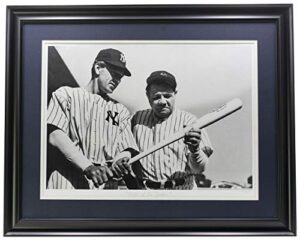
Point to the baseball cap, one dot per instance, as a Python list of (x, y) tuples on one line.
[(114, 58), (162, 77)]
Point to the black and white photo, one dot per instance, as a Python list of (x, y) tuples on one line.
[(119, 120)]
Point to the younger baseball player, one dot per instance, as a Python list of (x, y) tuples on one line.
[(173, 166), (90, 130)]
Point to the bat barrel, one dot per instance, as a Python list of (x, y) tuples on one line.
[(219, 113)]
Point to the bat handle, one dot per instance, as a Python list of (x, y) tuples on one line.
[(162, 144)]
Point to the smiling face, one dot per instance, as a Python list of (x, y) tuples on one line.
[(107, 79), (162, 99)]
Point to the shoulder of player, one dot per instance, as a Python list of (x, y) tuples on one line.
[(121, 108), (119, 105), (70, 93), (142, 112), (68, 90), (185, 114), (113, 101), (141, 115), (64, 91)]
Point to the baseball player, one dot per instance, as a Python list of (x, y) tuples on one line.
[(90, 130), (173, 166)]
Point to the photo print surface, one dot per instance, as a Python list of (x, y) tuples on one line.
[(119, 120)]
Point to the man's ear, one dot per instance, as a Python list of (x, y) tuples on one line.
[(148, 97)]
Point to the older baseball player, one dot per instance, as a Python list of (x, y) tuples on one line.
[(173, 166), (91, 130)]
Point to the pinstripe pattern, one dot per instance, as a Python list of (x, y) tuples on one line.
[(149, 131), (99, 127)]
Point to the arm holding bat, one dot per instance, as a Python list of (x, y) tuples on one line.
[(59, 140), (197, 156), (98, 174)]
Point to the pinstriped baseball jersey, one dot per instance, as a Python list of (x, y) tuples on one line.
[(99, 127), (149, 130)]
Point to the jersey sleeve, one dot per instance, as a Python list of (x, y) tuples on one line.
[(125, 138), (198, 160), (59, 110), (205, 144)]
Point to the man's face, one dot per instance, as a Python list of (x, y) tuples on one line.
[(108, 79), (162, 99)]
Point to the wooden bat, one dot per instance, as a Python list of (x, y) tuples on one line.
[(208, 119)]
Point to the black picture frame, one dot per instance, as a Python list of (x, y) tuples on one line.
[(281, 15)]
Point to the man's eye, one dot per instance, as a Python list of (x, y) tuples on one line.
[(102, 65)]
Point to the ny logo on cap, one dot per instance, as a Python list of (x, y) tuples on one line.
[(163, 74), (122, 58)]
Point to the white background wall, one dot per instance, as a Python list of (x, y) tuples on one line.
[(81, 2)]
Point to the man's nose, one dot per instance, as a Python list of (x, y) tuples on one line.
[(162, 101)]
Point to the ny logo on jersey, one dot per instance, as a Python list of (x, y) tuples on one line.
[(122, 58), (112, 117)]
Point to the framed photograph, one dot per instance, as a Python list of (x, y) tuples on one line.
[(150, 120)]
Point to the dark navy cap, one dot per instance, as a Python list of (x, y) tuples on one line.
[(162, 77), (114, 58)]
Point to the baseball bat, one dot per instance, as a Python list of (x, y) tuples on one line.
[(208, 119)]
